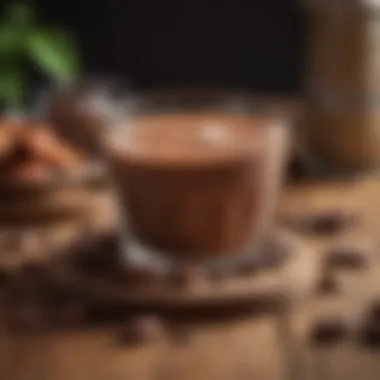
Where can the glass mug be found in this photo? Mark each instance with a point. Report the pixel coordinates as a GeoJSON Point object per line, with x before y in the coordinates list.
{"type": "Point", "coordinates": [197, 177]}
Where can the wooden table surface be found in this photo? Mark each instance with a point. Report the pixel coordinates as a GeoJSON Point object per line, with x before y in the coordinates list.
{"type": "Point", "coordinates": [246, 348]}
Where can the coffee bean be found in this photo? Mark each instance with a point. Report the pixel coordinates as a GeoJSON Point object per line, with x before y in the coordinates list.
{"type": "Point", "coordinates": [371, 337]}
{"type": "Point", "coordinates": [297, 169]}
{"type": "Point", "coordinates": [142, 329]}
{"type": "Point", "coordinates": [322, 223]}
{"type": "Point", "coordinates": [4, 278]}
{"type": "Point", "coordinates": [370, 333]}
{"type": "Point", "coordinates": [329, 331]}
{"type": "Point", "coordinates": [327, 284]}
{"type": "Point", "coordinates": [349, 257]}
{"type": "Point", "coordinates": [96, 256]}
{"type": "Point", "coordinates": [375, 312]}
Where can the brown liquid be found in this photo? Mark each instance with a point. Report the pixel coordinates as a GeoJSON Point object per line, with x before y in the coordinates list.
{"type": "Point", "coordinates": [194, 184]}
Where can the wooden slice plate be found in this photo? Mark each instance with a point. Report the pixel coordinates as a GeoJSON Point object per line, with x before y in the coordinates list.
{"type": "Point", "coordinates": [295, 279]}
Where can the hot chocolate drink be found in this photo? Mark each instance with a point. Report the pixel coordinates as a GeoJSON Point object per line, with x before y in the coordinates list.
{"type": "Point", "coordinates": [198, 186]}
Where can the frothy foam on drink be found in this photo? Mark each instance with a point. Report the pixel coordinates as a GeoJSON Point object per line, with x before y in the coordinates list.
{"type": "Point", "coordinates": [174, 139]}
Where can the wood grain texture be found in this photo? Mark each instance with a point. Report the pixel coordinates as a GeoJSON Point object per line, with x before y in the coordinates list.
{"type": "Point", "coordinates": [246, 348]}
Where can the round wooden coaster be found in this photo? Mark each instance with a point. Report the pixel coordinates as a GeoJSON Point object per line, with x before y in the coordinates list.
{"type": "Point", "coordinates": [269, 284]}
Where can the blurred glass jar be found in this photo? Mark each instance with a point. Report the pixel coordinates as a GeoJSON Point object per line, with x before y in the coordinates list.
{"type": "Point", "coordinates": [343, 50]}
{"type": "Point", "coordinates": [342, 120]}
{"type": "Point", "coordinates": [79, 114]}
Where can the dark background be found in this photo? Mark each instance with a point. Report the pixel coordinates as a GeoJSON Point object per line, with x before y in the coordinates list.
{"type": "Point", "coordinates": [250, 44]}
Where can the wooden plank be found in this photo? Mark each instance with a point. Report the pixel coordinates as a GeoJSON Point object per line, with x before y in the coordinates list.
{"type": "Point", "coordinates": [239, 350]}
{"type": "Point", "coordinates": [244, 349]}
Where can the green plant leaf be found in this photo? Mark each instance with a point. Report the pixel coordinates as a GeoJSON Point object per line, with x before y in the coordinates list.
{"type": "Point", "coordinates": [54, 53]}
{"type": "Point", "coordinates": [12, 40]}
{"type": "Point", "coordinates": [11, 89]}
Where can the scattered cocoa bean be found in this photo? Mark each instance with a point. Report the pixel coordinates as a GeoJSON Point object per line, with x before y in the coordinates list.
{"type": "Point", "coordinates": [99, 256]}
{"type": "Point", "coordinates": [328, 284]}
{"type": "Point", "coordinates": [329, 331]}
{"type": "Point", "coordinates": [370, 332]}
{"type": "Point", "coordinates": [322, 223]}
{"type": "Point", "coordinates": [4, 278]}
{"type": "Point", "coordinates": [370, 336]}
{"type": "Point", "coordinates": [374, 312]}
{"type": "Point", "coordinates": [349, 257]}
{"type": "Point", "coordinates": [297, 169]}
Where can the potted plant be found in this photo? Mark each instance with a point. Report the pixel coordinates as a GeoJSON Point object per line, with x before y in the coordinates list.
{"type": "Point", "coordinates": [26, 45]}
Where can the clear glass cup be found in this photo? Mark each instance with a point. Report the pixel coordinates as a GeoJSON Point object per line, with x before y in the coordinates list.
{"type": "Point", "coordinates": [196, 175]}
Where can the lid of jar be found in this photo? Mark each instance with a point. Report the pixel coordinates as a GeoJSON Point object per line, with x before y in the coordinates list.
{"type": "Point", "coordinates": [370, 6]}
{"type": "Point", "coordinates": [331, 101]}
